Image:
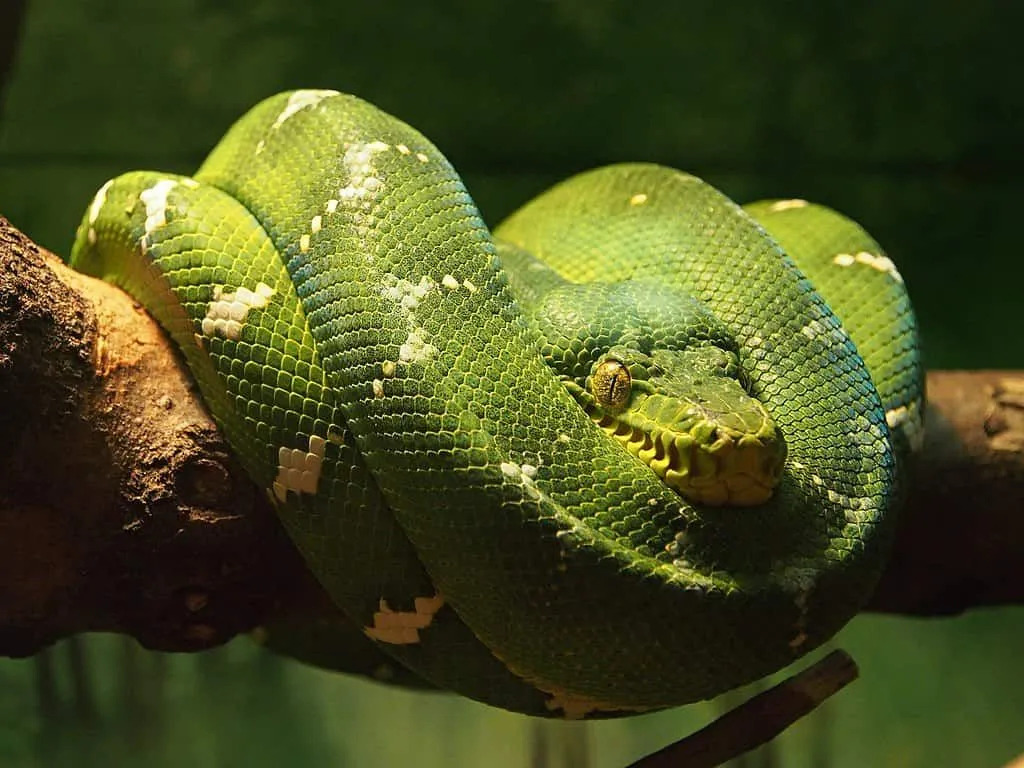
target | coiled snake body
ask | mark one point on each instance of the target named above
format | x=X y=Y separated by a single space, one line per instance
x=556 y=498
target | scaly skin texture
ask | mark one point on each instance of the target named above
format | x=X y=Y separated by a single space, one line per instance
x=347 y=318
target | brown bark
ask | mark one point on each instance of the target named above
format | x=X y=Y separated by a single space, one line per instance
x=121 y=508
x=759 y=719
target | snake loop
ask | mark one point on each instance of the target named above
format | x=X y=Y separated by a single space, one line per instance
x=619 y=456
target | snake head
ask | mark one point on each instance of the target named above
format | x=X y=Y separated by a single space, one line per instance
x=659 y=373
x=687 y=416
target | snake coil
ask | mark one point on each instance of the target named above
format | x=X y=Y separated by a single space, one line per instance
x=370 y=352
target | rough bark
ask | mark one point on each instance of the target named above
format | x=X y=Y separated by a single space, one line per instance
x=122 y=510
x=759 y=719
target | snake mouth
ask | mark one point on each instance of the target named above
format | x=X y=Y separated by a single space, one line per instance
x=705 y=460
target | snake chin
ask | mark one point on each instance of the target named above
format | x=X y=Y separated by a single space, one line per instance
x=708 y=465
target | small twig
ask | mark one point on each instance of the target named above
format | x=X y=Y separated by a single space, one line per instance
x=759 y=719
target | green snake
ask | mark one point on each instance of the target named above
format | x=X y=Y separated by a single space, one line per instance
x=621 y=455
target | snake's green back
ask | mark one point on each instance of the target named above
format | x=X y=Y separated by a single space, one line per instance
x=353 y=331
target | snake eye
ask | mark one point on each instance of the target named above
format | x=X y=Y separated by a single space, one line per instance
x=611 y=384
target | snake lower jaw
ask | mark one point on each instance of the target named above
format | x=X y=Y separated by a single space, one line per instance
x=719 y=469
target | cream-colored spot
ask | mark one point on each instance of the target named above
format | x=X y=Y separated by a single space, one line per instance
x=405 y=293
x=98 y=201
x=874 y=260
x=638 y=199
x=229 y=309
x=563 y=438
x=812 y=330
x=469 y=286
x=787 y=205
x=91 y=234
x=449 y=282
x=300 y=100
x=155 y=200
x=575 y=707
x=805 y=583
x=315 y=224
x=378 y=388
x=299 y=470
x=304 y=243
x=388 y=368
x=416 y=348
x=842 y=499
x=421 y=157
x=895 y=417
x=402 y=148
x=363 y=185
x=332 y=205
x=403 y=627
x=524 y=474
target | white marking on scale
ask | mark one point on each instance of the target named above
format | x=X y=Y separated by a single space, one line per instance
x=876 y=261
x=300 y=100
x=576 y=707
x=403 y=627
x=155 y=200
x=332 y=205
x=449 y=282
x=469 y=286
x=406 y=294
x=524 y=474
x=812 y=329
x=304 y=243
x=638 y=199
x=415 y=348
x=403 y=149
x=894 y=417
x=787 y=205
x=229 y=309
x=421 y=157
x=378 y=388
x=299 y=470
x=315 y=224
x=363 y=186
x=98 y=201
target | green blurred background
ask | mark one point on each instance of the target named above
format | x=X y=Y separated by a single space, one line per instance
x=907 y=116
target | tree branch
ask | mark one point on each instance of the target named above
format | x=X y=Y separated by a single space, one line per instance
x=759 y=719
x=122 y=510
